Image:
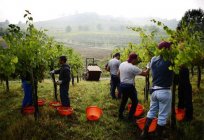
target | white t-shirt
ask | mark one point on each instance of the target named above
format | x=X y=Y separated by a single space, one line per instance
x=114 y=65
x=128 y=72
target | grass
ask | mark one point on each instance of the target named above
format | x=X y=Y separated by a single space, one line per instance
x=51 y=126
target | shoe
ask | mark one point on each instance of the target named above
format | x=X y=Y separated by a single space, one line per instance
x=144 y=135
x=160 y=134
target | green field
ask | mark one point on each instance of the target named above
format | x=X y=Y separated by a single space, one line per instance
x=51 y=126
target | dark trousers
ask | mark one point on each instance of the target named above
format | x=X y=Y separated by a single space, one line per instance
x=128 y=91
x=185 y=99
x=64 y=95
x=115 y=82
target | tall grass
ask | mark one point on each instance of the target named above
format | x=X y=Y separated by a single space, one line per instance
x=52 y=126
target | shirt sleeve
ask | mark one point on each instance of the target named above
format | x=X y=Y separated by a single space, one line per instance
x=108 y=63
x=136 y=70
x=57 y=71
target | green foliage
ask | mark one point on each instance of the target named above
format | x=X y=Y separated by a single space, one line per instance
x=187 y=47
x=146 y=48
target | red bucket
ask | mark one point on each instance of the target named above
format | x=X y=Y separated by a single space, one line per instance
x=41 y=102
x=139 y=110
x=65 y=111
x=180 y=114
x=55 y=104
x=93 y=113
x=29 y=110
x=141 y=123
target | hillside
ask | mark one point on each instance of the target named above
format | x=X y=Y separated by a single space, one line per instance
x=95 y=21
x=90 y=33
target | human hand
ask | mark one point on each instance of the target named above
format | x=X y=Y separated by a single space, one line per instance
x=148 y=65
x=59 y=82
x=52 y=72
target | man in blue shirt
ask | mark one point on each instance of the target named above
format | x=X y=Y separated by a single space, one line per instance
x=161 y=95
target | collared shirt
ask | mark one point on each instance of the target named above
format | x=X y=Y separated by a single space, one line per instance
x=114 y=65
x=128 y=72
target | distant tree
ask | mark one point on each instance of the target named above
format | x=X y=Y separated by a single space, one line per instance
x=6 y=22
x=122 y=28
x=195 y=17
x=20 y=23
x=83 y=28
x=99 y=27
x=1 y=31
x=113 y=28
x=151 y=28
x=80 y=28
x=86 y=28
x=68 y=29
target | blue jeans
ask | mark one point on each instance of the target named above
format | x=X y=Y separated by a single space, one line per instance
x=161 y=104
x=115 y=82
x=27 y=100
x=64 y=95
x=128 y=91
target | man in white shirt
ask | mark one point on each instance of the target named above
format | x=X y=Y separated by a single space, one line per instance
x=127 y=72
x=113 y=66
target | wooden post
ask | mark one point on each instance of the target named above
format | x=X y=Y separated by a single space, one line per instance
x=7 y=85
x=192 y=70
x=77 y=78
x=72 y=77
x=34 y=94
x=55 y=86
x=199 y=76
x=53 y=79
x=77 y=75
x=146 y=89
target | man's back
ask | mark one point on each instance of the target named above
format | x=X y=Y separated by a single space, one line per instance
x=65 y=73
x=114 y=65
x=161 y=74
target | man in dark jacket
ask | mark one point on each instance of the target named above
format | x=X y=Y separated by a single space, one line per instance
x=64 y=80
x=185 y=93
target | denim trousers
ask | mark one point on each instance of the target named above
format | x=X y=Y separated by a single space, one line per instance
x=128 y=91
x=27 y=100
x=115 y=83
x=161 y=104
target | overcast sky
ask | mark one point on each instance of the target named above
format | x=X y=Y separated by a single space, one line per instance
x=13 y=10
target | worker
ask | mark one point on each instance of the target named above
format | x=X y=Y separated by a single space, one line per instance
x=64 y=80
x=113 y=66
x=185 y=93
x=127 y=72
x=161 y=96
